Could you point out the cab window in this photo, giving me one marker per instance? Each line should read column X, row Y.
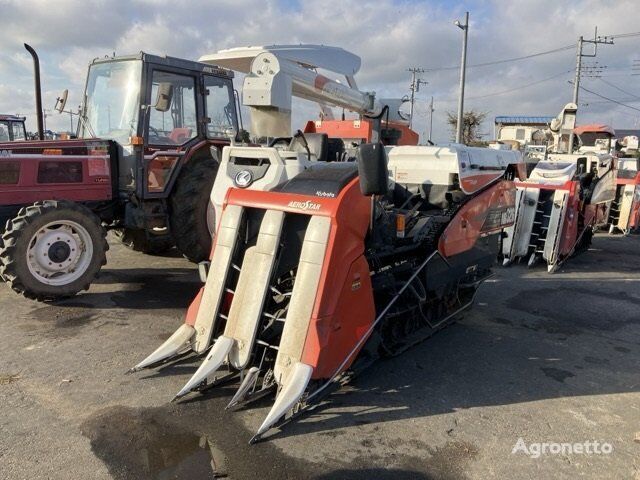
column 221, row 110
column 18, row 131
column 4, row 132
column 179, row 123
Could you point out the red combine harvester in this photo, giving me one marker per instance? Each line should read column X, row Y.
column 151, row 130
column 12, row 128
column 312, row 281
column 564, row 200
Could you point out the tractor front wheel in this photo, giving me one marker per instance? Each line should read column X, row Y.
column 52, row 250
column 192, row 225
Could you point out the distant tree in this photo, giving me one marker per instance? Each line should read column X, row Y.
column 471, row 122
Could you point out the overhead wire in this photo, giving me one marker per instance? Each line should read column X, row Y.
column 506, row 60
column 532, row 55
column 609, row 99
column 520, row 87
column 619, row 89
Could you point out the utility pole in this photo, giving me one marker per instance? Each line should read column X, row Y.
column 579, row 56
column 415, row 88
column 463, row 70
column 431, row 110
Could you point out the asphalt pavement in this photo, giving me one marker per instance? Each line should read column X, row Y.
column 541, row 359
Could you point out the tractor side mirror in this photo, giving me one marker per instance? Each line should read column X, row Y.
column 372, row 169
column 61, row 101
column 164, row 98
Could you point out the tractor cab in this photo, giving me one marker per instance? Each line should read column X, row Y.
column 12, row 128
column 157, row 109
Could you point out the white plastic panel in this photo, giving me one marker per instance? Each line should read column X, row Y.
column 252, row 288
column 605, row 189
column 283, row 165
column 303, row 296
column 214, row 287
column 626, row 202
column 524, row 223
column 437, row 165
column 558, row 212
column 516, row 244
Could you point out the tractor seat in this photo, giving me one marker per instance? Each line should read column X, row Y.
column 318, row 145
column 180, row 135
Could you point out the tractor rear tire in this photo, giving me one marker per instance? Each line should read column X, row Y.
column 138, row 241
column 189, row 204
column 52, row 250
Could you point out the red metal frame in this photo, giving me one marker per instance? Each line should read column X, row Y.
column 96, row 182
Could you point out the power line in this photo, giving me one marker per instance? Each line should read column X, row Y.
column 609, row 99
column 620, row 89
column 520, row 87
column 506, row 60
column 533, row 55
column 625, row 35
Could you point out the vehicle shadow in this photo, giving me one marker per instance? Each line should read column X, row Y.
column 516, row 346
column 374, row 473
column 140, row 289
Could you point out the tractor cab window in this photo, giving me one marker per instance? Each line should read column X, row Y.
column 17, row 129
column 112, row 101
column 178, row 124
column 221, row 108
column 4, row 132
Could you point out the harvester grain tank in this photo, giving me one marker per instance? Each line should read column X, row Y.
column 312, row 281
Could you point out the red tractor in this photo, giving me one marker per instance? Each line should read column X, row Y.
column 150, row 132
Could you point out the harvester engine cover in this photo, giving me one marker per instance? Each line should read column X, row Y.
column 312, row 281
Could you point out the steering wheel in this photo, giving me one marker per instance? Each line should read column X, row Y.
column 279, row 140
column 155, row 132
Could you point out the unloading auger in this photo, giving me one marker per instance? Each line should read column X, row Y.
column 312, row 281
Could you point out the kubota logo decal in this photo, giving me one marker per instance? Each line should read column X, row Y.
column 308, row 205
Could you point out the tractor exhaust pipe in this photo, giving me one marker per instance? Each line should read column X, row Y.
column 36, row 71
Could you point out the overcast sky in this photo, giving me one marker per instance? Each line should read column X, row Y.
column 389, row 35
